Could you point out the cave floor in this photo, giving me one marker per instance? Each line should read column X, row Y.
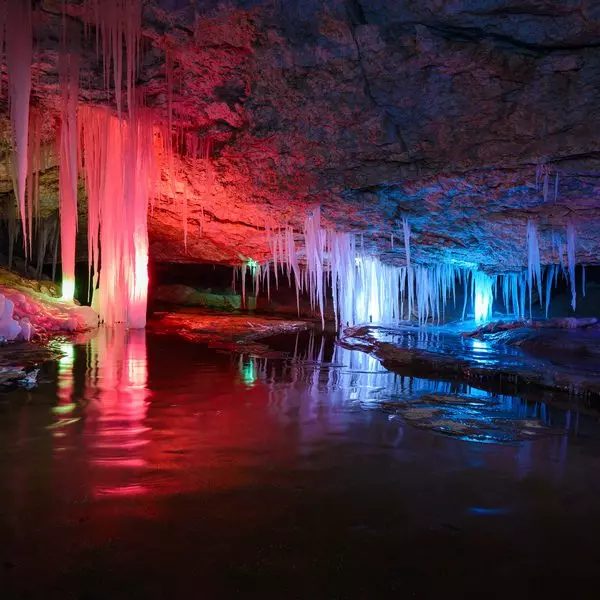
column 151, row 465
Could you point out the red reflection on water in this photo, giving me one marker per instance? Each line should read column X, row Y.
column 117, row 393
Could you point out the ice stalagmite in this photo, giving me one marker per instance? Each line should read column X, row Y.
column 69, row 85
column 19, row 54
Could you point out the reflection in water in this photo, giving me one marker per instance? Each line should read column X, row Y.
column 234, row 466
column 117, row 404
column 448, row 341
column 318, row 393
column 65, row 407
column 349, row 380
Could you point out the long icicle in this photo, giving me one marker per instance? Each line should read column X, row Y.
column 571, row 262
column 119, row 170
column 19, row 55
column 69, row 84
column 534, row 274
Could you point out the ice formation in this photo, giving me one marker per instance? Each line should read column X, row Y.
column 118, row 26
column 115, row 154
column 534, row 275
column 483, row 295
column 119, row 168
column 25, row 312
column 19, row 54
column 69, row 86
column 363, row 289
column 571, row 263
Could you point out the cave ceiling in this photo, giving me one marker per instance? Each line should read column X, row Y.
column 466, row 117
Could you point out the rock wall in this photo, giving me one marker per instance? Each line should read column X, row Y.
column 442, row 111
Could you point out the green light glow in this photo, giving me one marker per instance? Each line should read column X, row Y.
column 64, row 409
column 248, row 372
column 252, row 265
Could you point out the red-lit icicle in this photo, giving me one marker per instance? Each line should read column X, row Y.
column 19, row 54
column 69, row 85
column 118, row 23
column 119, row 171
column 139, row 157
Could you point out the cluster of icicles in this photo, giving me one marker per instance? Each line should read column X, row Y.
column 115, row 157
column 113, row 154
column 364, row 290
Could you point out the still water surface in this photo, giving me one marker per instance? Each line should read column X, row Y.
column 146, row 466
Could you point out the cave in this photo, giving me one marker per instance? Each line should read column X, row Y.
column 299, row 298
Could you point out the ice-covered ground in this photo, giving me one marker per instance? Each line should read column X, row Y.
column 26, row 311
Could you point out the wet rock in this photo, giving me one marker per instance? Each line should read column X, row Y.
column 239, row 332
column 518, row 358
column 472, row 418
column 183, row 295
column 441, row 111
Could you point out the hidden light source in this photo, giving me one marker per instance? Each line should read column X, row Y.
column 483, row 306
column 68, row 288
column 483, row 295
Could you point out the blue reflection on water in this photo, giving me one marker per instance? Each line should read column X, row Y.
column 357, row 379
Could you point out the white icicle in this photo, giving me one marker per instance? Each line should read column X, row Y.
column 19, row 54
column 571, row 263
column 534, row 274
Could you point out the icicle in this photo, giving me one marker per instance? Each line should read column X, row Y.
column 406, row 228
column 314, row 238
column 119, row 25
column 549, row 279
column 30, row 181
column 243, row 278
column 571, row 263
column 69, row 85
column 12, row 231
column 119, row 171
column 583, row 280
column 556, row 187
column 35, row 167
column 533, row 262
column 55, row 253
column 19, row 54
